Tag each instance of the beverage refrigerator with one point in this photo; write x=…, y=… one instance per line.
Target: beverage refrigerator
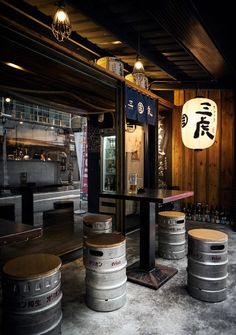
x=134, y=163
x=108, y=163
x=108, y=172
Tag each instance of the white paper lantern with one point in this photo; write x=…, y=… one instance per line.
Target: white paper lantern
x=199, y=122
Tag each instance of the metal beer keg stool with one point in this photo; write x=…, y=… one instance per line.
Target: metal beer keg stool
x=105, y=263
x=171, y=235
x=207, y=264
x=31, y=287
x=97, y=224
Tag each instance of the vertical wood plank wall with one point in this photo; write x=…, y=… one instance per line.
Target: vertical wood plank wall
x=209, y=173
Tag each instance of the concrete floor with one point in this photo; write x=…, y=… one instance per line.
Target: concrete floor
x=170, y=310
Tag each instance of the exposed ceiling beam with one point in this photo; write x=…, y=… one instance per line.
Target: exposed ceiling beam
x=124, y=32
x=179, y=18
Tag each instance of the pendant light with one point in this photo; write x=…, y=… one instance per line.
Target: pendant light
x=61, y=27
x=199, y=123
x=138, y=73
x=138, y=66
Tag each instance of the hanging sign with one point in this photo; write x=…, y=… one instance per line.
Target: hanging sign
x=199, y=122
x=151, y=111
x=139, y=107
x=131, y=103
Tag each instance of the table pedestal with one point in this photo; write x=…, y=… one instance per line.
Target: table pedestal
x=146, y=272
x=154, y=278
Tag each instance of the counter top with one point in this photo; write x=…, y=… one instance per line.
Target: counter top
x=150, y=195
x=11, y=232
x=32, y=160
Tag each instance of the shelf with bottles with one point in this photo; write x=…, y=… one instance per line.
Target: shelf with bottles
x=198, y=212
x=110, y=183
x=110, y=156
x=110, y=174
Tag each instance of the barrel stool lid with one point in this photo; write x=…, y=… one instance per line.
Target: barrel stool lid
x=32, y=266
x=171, y=214
x=208, y=235
x=92, y=218
x=105, y=240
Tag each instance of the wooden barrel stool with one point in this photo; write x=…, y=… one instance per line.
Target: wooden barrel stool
x=207, y=264
x=32, y=295
x=105, y=263
x=97, y=224
x=171, y=235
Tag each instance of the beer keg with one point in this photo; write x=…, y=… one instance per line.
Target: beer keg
x=112, y=64
x=171, y=235
x=105, y=263
x=32, y=295
x=207, y=264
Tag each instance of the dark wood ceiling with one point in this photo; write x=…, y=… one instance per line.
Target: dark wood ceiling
x=183, y=44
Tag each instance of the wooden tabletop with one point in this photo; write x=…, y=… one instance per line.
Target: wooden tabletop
x=150, y=195
x=11, y=232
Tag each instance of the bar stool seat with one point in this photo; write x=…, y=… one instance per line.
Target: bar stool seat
x=97, y=224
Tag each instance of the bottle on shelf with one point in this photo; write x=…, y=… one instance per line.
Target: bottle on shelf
x=199, y=212
x=207, y=214
x=212, y=214
x=194, y=212
x=217, y=215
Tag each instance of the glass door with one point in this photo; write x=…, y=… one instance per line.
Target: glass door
x=108, y=163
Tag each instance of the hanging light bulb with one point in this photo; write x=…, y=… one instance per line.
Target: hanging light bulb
x=139, y=74
x=138, y=66
x=61, y=27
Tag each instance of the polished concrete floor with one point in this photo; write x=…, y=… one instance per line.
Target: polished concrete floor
x=170, y=310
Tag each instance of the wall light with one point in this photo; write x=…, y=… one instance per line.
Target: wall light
x=199, y=123
x=61, y=27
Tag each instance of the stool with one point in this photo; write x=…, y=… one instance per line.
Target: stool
x=97, y=224
x=105, y=264
x=207, y=264
x=58, y=216
x=171, y=235
x=32, y=295
x=64, y=204
x=7, y=211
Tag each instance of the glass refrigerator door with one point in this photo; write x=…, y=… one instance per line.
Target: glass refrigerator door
x=109, y=163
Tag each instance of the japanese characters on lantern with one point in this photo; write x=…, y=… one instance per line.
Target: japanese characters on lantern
x=199, y=122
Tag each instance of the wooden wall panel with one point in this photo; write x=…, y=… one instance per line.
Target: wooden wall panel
x=214, y=159
x=189, y=180
x=209, y=172
x=200, y=166
x=177, y=147
x=227, y=155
